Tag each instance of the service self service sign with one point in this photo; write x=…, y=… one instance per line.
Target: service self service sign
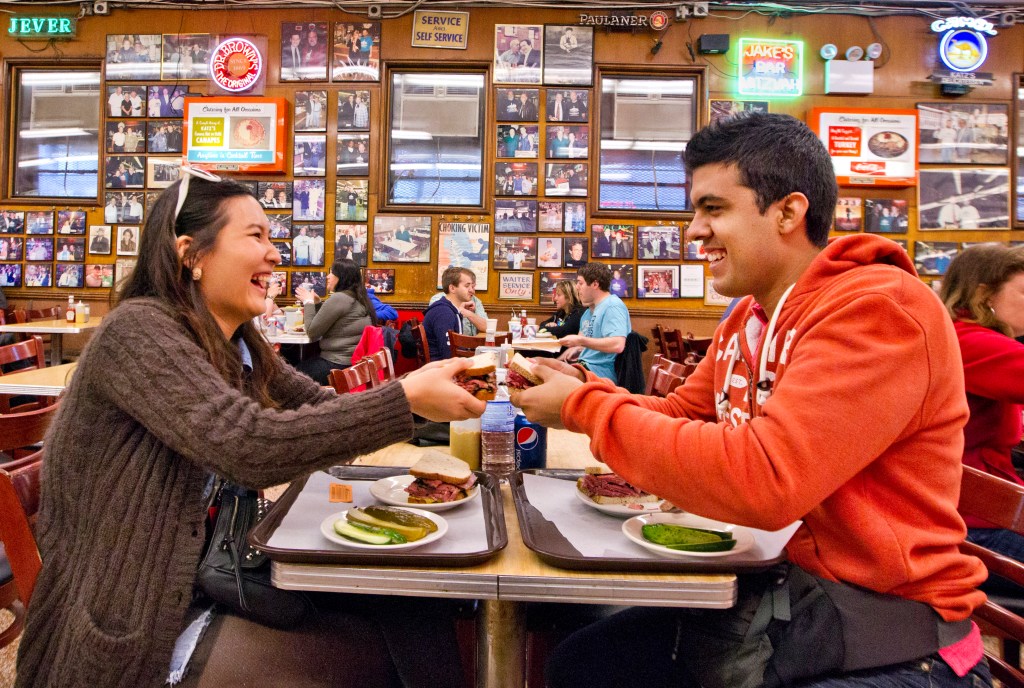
x=771, y=68
x=236, y=134
x=869, y=146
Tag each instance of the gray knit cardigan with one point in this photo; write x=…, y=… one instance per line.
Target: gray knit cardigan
x=120, y=528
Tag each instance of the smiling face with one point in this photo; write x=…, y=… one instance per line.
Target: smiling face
x=238, y=268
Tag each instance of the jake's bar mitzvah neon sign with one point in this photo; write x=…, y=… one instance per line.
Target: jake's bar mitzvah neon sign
x=771, y=68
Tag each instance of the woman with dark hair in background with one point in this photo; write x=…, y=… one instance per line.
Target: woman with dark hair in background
x=983, y=290
x=175, y=387
x=339, y=321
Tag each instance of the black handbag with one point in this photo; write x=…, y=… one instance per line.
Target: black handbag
x=237, y=575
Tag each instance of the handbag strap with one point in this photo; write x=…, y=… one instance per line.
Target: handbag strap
x=232, y=545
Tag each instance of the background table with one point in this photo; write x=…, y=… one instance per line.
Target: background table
x=56, y=329
x=44, y=382
x=514, y=576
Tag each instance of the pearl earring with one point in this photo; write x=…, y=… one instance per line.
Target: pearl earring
x=197, y=274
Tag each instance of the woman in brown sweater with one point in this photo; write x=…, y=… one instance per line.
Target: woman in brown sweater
x=176, y=386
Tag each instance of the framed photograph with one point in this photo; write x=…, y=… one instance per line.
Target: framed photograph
x=274, y=194
x=13, y=222
x=351, y=199
x=356, y=52
x=515, y=216
x=849, y=214
x=549, y=252
x=95, y=273
x=350, y=243
x=70, y=275
x=11, y=248
x=39, y=249
x=123, y=268
x=550, y=216
x=518, y=105
x=464, y=245
x=567, y=141
x=308, y=203
x=381, y=279
x=515, y=252
x=162, y=172
x=71, y=221
x=127, y=240
x=576, y=217
x=285, y=249
x=167, y=100
x=132, y=57
x=720, y=109
x=886, y=216
x=515, y=286
x=566, y=179
x=315, y=280
x=622, y=280
x=401, y=239
x=969, y=133
x=568, y=55
x=248, y=184
x=36, y=222
x=353, y=155
x=575, y=253
x=10, y=274
x=309, y=159
x=658, y=242
x=612, y=241
x=304, y=51
x=151, y=197
x=694, y=250
x=164, y=135
x=657, y=282
x=126, y=101
x=934, y=257
x=518, y=53
x=186, y=56
x=308, y=245
x=568, y=105
x=515, y=179
x=126, y=136
x=39, y=275
x=517, y=140
x=280, y=225
x=71, y=250
x=125, y=171
x=310, y=111
x=549, y=280
x=712, y=297
x=99, y=239
x=691, y=281
x=123, y=207
x=964, y=198
x=353, y=110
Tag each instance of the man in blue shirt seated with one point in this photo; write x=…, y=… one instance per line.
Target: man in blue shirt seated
x=604, y=325
x=446, y=313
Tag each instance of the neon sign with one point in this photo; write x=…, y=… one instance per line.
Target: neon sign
x=771, y=68
x=55, y=26
x=236, y=65
x=962, y=47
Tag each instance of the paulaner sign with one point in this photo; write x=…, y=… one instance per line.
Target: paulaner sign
x=50, y=26
x=656, y=20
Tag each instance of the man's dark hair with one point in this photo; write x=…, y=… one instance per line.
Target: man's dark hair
x=776, y=155
x=596, y=272
x=451, y=276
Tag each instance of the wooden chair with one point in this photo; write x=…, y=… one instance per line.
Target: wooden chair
x=383, y=364
x=464, y=345
x=665, y=375
x=23, y=315
x=18, y=357
x=362, y=375
x=698, y=346
x=422, y=347
x=1002, y=503
x=673, y=340
x=658, y=337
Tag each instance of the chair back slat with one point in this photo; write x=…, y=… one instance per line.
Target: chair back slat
x=353, y=377
x=658, y=335
x=422, y=347
x=19, y=502
x=464, y=345
x=673, y=345
x=31, y=348
x=383, y=363
x=19, y=430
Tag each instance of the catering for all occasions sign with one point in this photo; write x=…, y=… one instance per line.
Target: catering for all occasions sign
x=236, y=134
x=869, y=146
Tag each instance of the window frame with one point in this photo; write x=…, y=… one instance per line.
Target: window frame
x=700, y=104
x=12, y=68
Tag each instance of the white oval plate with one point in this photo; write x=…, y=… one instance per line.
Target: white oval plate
x=392, y=491
x=327, y=528
x=621, y=510
x=631, y=529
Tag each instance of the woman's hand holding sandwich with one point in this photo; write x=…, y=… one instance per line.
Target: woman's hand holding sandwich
x=434, y=395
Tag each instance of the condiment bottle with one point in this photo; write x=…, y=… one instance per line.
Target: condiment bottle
x=80, y=312
x=70, y=312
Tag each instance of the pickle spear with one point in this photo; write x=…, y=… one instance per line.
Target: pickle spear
x=410, y=532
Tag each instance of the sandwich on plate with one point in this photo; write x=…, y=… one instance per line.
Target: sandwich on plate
x=605, y=487
x=519, y=376
x=479, y=379
x=440, y=478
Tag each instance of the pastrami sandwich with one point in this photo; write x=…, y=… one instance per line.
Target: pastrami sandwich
x=479, y=379
x=439, y=478
x=520, y=375
x=605, y=487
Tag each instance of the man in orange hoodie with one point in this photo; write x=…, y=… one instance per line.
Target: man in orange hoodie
x=832, y=394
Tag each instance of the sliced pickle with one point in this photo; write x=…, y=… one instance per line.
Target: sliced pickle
x=410, y=533
x=401, y=516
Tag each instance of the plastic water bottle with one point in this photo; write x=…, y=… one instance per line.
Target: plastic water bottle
x=497, y=439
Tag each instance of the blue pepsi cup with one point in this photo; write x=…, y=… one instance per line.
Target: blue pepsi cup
x=531, y=444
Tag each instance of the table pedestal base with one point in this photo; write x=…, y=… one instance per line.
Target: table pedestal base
x=500, y=644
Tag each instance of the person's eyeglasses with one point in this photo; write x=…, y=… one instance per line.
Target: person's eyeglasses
x=186, y=174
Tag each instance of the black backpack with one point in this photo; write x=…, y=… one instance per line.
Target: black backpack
x=407, y=340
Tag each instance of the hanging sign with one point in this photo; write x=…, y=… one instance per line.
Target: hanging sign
x=434, y=29
x=236, y=65
x=771, y=68
x=963, y=46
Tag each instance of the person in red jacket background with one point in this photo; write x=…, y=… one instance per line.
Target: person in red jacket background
x=832, y=395
x=984, y=293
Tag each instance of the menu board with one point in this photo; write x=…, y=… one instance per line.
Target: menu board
x=872, y=147
x=236, y=134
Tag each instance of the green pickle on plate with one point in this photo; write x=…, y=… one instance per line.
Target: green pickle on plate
x=686, y=539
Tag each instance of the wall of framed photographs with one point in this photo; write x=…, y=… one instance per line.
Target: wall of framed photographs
x=549, y=132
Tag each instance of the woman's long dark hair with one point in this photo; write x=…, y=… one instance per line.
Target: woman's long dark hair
x=161, y=274
x=350, y=281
